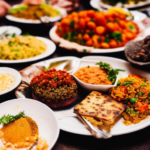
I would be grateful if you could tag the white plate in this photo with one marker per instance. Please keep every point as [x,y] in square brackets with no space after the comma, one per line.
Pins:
[75,46]
[73,125]
[62,11]
[10,30]
[39,112]
[138,16]
[131,6]
[15,74]
[51,47]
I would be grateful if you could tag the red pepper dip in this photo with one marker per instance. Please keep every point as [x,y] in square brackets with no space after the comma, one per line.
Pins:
[55,88]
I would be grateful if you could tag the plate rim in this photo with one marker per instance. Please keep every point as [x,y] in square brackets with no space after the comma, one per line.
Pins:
[35,101]
[18,80]
[49,51]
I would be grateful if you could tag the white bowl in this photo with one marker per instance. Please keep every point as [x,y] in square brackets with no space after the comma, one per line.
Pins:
[39,112]
[10,30]
[91,87]
[15,74]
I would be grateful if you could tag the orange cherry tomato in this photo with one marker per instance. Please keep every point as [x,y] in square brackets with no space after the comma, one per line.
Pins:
[104,45]
[87,19]
[86,37]
[100,19]
[82,24]
[120,44]
[91,25]
[83,14]
[130,35]
[96,44]
[80,36]
[74,14]
[91,13]
[65,22]
[89,42]
[100,30]
[113,44]
[107,15]
[75,19]
[122,24]
[110,26]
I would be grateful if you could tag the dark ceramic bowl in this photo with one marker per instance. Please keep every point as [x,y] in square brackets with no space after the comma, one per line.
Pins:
[129,48]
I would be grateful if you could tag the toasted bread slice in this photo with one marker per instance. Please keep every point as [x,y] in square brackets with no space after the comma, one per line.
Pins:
[100,106]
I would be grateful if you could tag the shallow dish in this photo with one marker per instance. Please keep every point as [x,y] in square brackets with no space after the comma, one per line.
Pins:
[40,113]
[10,30]
[132,46]
[87,62]
[51,47]
[15,74]
[29,21]
[86,49]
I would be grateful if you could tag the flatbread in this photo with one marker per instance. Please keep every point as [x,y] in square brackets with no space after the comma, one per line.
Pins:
[100,106]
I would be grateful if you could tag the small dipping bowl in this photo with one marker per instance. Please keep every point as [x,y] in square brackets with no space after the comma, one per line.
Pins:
[92,87]
[135,46]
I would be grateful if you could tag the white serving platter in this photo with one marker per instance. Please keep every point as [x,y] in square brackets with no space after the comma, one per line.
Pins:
[73,125]
[80,48]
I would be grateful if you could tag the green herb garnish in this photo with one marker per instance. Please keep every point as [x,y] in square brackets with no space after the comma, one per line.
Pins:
[14,35]
[111,73]
[10,43]
[118,83]
[99,39]
[92,20]
[55,78]
[117,36]
[91,33]
[9,118]
[84,50]
[143,85]
[128,82]
[71,24]
[26,34]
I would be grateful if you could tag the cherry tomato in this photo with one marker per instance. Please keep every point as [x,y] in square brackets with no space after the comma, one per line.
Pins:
[100,30]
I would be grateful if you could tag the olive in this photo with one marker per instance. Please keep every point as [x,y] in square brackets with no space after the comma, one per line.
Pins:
[137,57]
[142,54]
[132,100]
[143,51]
[145,47]
[145,58]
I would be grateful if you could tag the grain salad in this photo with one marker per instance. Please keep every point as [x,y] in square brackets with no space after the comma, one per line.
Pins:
[6,81]
[134,91]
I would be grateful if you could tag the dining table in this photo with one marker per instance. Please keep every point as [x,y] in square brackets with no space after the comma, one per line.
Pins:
[139,140]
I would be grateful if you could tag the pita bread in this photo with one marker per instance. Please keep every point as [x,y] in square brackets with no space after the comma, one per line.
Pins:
[100,106]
